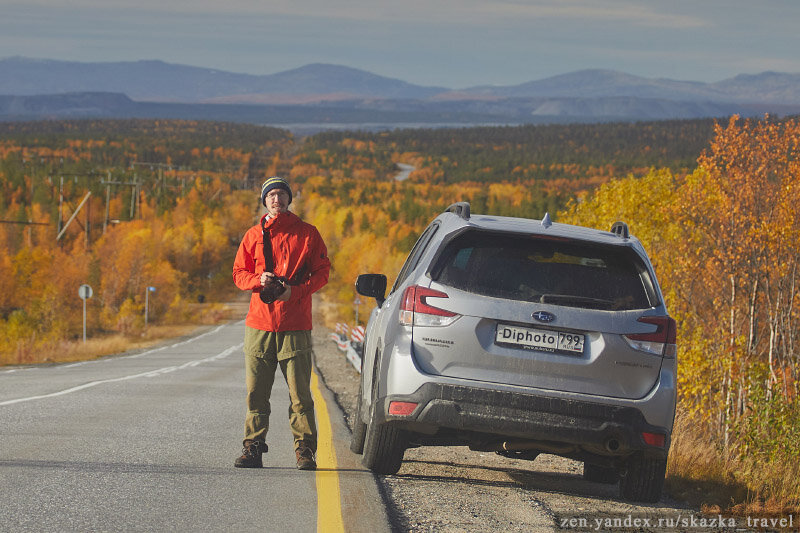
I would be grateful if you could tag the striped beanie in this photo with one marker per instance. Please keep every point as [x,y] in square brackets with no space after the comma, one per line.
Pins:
[274,182]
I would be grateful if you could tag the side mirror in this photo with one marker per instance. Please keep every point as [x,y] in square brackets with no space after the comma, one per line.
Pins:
[372,285]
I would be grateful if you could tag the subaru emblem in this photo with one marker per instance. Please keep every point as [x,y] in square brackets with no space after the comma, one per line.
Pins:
[543,316]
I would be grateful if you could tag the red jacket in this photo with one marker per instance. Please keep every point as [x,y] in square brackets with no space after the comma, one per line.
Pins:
[294,243]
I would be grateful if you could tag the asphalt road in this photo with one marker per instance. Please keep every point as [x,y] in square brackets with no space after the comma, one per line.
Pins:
[146,442]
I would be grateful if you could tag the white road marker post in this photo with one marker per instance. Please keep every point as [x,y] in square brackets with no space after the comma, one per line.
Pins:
[85,292]
[147,303]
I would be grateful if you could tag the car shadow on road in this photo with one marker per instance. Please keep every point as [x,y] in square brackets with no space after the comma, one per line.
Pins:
[564,483]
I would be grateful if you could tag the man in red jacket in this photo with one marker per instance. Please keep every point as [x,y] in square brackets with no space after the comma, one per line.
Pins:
[283,261]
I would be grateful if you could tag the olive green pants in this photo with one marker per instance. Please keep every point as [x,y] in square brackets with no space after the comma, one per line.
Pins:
[264,351]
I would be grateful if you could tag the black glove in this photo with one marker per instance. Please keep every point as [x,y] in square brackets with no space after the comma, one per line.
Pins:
[273,289]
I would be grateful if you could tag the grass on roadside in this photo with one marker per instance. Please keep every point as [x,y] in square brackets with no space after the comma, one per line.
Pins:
[67,351]
[704,475]
[99,345]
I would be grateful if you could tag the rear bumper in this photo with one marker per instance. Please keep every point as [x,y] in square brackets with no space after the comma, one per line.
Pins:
[468,413]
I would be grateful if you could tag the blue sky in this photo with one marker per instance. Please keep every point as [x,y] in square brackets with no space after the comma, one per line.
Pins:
[450,43]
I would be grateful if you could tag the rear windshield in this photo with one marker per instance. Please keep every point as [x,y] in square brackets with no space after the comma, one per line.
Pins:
[562,272]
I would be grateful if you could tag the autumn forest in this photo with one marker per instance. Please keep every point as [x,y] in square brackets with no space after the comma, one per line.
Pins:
[127,205]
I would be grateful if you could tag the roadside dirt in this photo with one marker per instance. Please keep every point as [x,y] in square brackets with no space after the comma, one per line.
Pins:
[453,489]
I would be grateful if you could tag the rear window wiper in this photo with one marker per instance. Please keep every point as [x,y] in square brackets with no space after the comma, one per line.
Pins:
[581,301]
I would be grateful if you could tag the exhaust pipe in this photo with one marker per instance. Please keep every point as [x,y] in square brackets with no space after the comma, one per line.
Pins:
[547,447]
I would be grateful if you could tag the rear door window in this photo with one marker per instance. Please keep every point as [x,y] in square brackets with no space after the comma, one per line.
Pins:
[414,256]
[545,270]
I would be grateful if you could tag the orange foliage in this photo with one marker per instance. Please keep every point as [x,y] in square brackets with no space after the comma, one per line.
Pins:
[179,234]
[725,241]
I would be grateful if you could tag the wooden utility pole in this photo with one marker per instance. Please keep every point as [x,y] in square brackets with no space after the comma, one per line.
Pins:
[160,166]
[88,225]
[108,183]
[108,202]
[60,205]
[134,194]
[61,233]
[61,226]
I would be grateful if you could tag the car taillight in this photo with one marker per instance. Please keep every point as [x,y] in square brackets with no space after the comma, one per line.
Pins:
[416,311]
[659,342]
[402,408]
[654,439]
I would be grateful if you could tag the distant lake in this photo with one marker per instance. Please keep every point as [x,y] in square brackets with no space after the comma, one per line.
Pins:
[310,128]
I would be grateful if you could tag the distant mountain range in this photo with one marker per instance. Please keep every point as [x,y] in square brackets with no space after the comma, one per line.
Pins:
[332,94]
[767,87]
[157,81]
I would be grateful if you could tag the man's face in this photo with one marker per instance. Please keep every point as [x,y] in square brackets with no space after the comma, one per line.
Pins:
[277,201]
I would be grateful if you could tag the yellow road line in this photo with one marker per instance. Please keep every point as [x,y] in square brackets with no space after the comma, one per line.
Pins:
[329,508]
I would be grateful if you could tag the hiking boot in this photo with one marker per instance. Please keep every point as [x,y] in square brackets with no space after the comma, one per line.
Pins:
[251,454]
[305,457]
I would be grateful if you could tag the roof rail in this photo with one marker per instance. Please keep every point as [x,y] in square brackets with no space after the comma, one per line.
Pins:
[620,229]
[459,208]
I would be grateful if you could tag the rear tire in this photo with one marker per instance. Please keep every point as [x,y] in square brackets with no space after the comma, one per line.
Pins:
[384,448]
[359,428]
[643,480]
[384,444]
[600,474]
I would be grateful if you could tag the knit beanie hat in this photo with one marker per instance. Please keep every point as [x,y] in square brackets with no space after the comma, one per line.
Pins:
[274,182]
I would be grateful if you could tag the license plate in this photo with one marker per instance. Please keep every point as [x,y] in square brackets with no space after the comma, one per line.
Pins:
[544,340]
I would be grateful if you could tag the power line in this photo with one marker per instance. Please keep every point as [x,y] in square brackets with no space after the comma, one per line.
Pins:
[25,223]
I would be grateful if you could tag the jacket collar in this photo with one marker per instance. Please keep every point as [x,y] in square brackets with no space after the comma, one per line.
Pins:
[280,222]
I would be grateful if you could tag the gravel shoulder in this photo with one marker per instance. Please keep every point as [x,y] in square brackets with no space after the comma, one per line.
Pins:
[454,489]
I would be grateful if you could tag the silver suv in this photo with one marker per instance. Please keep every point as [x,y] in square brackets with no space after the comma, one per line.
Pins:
[521,337]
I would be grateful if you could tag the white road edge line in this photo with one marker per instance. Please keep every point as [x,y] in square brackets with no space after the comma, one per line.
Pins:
[149,374]
[187,341]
